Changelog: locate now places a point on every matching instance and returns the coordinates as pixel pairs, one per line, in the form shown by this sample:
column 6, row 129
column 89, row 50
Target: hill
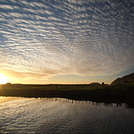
column 125, row 79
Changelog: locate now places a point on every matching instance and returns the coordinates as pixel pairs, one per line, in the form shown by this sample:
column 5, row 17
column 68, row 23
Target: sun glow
column 3, row 79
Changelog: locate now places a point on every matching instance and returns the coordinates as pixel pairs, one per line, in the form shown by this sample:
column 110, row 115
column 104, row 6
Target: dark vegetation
column 101, row 93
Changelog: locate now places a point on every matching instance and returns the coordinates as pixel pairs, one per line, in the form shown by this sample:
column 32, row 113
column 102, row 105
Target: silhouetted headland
column 125, row 79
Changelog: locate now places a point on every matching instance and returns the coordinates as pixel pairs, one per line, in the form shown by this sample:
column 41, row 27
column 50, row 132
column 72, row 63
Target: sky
column 66, row 41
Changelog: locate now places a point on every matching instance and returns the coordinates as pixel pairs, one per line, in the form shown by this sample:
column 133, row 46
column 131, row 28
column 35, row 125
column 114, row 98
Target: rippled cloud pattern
column 83, row 37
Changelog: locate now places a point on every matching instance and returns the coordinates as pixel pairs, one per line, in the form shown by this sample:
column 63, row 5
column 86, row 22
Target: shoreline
column 102, row 93
column 7, row 98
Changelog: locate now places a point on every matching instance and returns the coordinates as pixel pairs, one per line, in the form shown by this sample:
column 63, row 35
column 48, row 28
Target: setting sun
column 3, row 79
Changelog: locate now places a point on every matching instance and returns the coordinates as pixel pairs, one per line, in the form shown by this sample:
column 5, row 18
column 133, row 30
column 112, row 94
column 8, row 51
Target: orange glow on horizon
column 14, row 77
column 3, row 79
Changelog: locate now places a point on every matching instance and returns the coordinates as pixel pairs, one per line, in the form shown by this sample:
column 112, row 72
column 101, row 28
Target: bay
column 63, row 116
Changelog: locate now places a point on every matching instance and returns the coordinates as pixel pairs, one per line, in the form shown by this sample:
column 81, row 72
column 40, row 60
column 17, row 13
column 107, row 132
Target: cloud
column 67, row 37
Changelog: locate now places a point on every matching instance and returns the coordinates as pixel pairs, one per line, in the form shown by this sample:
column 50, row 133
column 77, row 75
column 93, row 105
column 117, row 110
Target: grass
column 125, row 91
column 100, row 93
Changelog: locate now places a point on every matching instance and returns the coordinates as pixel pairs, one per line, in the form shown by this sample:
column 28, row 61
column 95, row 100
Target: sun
column 3, row 79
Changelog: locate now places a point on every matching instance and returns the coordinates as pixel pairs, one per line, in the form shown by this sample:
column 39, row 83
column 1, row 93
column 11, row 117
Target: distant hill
column 126, row 79
column 95, row 84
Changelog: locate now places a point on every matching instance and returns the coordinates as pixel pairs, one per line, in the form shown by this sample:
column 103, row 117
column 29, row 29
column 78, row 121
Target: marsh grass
column 122, row 92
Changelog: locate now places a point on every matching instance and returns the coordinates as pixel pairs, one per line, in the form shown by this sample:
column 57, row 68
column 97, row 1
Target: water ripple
column 58, row 116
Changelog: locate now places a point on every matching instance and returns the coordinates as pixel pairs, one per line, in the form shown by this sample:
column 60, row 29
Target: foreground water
column 63, row 116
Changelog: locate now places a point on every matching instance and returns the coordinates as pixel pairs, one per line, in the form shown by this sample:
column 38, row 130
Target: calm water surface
column 62, row 116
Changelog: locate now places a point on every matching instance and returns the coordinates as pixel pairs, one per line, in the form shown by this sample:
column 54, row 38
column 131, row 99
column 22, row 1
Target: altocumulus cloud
column 84, row 37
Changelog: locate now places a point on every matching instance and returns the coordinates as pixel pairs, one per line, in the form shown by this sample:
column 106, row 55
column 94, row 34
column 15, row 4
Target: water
column 63, row 116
